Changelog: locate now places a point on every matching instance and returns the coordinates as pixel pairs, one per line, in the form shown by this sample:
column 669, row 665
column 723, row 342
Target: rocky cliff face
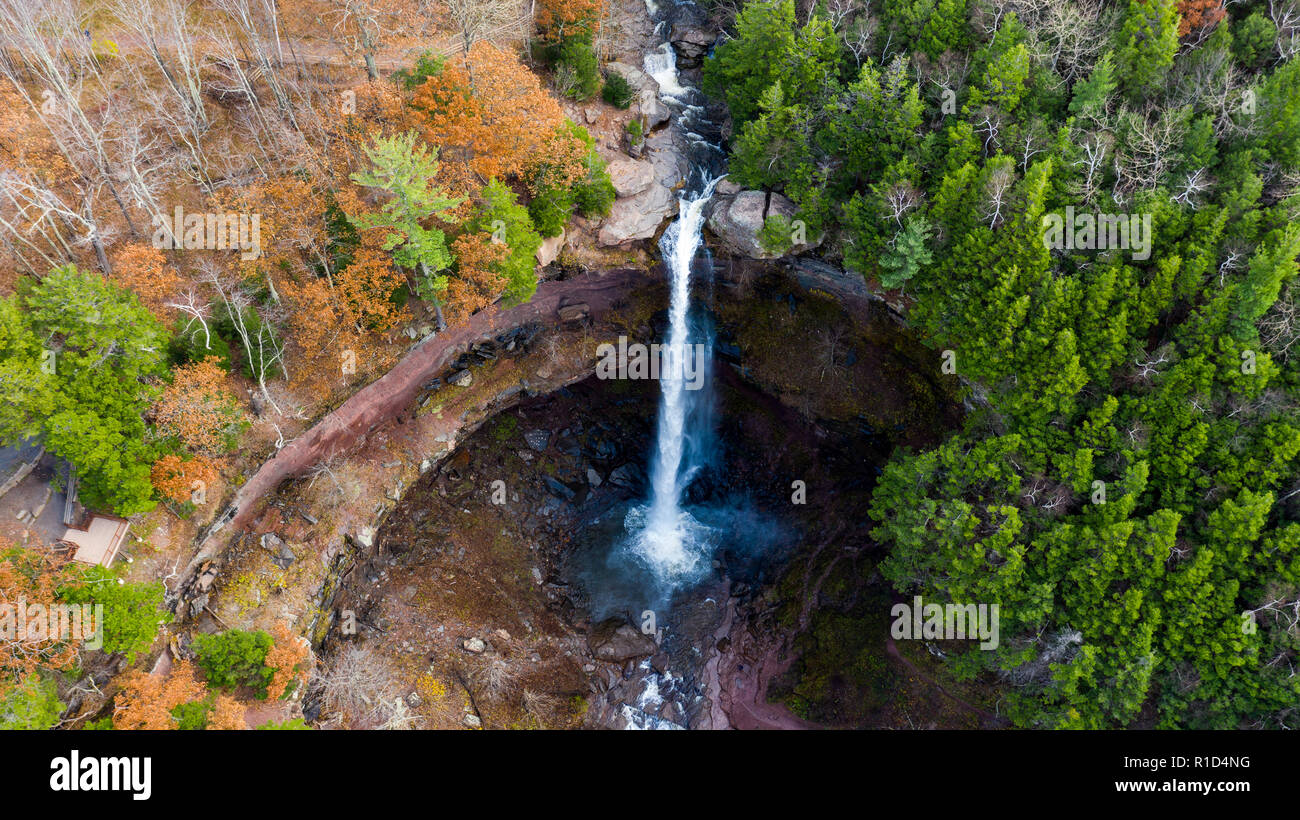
column 445, row 582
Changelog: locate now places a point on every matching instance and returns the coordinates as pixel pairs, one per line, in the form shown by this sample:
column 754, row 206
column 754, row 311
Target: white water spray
column 670, row 539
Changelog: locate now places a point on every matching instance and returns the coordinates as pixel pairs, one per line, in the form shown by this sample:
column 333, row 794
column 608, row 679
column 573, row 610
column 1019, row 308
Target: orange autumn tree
column 200, row 409
column 367, row 286
column 143, row 270
column 146, row 701
column 183, row 481
column 288, row 657
column 368, row 109
column 1199, row 16
column 557, row 19
column 477, row 282
column 34, row 577
column 490, row 117
column 328, row 349
column 227, row 714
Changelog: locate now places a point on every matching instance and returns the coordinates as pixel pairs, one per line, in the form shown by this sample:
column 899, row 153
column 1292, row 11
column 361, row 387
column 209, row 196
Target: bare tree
column 360, row 25
column 43, row 42
column 251, row 19
column 40, row 211
column 1285, row 15
column 482, row 19
column 1147, row 149
column 997, row 189
column 199, row 310
column 262, row 347
column 1193, row 186
column 1070, row 36
column 169, row 41
column 361, row 689
column 1093, row 147
column 854, row 22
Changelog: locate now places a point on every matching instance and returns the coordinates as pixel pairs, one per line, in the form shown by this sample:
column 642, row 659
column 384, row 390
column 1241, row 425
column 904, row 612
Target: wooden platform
column 99, row 542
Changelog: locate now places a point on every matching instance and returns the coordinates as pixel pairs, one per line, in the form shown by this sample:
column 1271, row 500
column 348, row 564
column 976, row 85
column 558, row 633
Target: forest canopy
column 1125, row 487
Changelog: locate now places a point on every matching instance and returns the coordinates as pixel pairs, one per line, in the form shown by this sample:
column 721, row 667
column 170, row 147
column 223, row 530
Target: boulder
column 736, row 221
column 577, row 312
column 615, row 641
column 462, row 379
column 558, row 488
column 550, row 249
column 624, row 476
column 537, row 439
column 637, row 217
column 475, row 646
column 630, row 177
column 691, row 43
column 281, row 555
column 668, row 152
column 649, row 107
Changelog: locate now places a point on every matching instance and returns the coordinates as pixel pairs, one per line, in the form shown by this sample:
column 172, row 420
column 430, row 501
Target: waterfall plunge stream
column 672, row 543
column 667, row 537
column 639, row 561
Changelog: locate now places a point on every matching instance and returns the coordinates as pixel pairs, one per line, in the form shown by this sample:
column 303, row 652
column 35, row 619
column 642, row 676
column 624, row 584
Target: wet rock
column 725, row 350
column 726, row 187
column 673, row 713
column 627, row 476
column 691, row 43
column 616, row 641
column 569, row 446
column 602, row 448
column 669, row 152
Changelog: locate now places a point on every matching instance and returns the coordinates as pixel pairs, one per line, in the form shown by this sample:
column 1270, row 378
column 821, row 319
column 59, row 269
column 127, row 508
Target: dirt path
column 395, row 391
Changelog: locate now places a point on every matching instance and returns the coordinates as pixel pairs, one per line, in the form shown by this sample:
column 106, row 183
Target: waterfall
column 672, row 541
column 663, row 536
